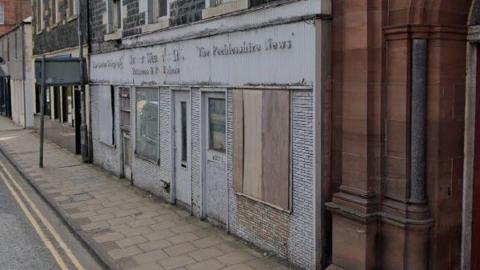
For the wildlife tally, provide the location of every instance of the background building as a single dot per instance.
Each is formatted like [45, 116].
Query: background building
[55, 36]
[16, 80]
[215, 106]
[13, 12]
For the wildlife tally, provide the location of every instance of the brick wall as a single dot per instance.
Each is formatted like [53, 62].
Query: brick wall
[289, 235]
[15, 12]
[181, 12]
[57, 36]
[186, 11]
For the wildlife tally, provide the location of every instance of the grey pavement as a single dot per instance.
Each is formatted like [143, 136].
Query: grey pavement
[20, 245]
[127, 228]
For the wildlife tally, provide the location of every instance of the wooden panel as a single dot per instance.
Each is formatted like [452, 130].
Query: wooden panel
[276, 148]
[252, 169]
[238, 141]
[475, 259]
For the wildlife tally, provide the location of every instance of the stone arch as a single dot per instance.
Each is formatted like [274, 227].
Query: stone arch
[474, 16]
[439, 12]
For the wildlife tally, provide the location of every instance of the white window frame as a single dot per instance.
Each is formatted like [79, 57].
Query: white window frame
[74, 8]
[221, 7]
[152, 20]
[41, 20]
[114, 32]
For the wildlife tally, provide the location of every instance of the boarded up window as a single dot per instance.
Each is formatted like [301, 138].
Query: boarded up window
[106, 113]
[261, 145]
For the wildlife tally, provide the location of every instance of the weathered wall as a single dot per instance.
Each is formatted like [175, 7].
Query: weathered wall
[269, 48]
[15, 49]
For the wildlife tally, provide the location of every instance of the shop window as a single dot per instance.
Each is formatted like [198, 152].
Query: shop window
[216, 122]
[114, 15]
[2, 13]
[106, 115]
[261, 146]
[147, 111]
[156, 10]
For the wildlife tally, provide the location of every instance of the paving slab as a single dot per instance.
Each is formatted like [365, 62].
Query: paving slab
[126, 227]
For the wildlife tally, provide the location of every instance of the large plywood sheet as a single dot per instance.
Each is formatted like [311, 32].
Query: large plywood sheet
[276, 148]
[252, 169]
[238, 141]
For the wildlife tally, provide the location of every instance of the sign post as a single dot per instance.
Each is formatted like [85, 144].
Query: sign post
[59, 72]
[42, 111]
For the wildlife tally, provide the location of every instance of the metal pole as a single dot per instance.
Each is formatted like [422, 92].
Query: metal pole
[42, 112]
[83, 125]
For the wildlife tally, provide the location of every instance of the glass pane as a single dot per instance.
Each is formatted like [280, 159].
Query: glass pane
[162, 8]
[147, 123]
[184, 130]
[216, 121]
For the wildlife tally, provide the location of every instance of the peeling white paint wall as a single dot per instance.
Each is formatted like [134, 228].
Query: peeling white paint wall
[199, 62]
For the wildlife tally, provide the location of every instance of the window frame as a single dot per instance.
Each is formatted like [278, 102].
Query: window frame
[209, 146]
[72, 8]
[143, 156]
[40, 20]
[153, 11]
[2, 13]
[114, 7]
[111, 96]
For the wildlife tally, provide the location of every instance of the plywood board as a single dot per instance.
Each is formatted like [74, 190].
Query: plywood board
[276, 148]
[252, 169]
[238, 141]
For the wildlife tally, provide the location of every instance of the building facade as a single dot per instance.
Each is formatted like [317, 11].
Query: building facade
[398, 118]
[55, 35]
[13, 12]
[216, 106]
[16, 80]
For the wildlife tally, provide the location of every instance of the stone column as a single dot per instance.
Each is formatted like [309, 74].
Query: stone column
[418, 120]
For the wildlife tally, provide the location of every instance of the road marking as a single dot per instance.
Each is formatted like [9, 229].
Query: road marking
[35, 225]
[47, 224]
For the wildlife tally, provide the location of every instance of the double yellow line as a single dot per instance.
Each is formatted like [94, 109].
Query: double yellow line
[10, 182]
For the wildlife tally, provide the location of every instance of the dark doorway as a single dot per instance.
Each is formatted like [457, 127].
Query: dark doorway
[56, 102]
[5, 97]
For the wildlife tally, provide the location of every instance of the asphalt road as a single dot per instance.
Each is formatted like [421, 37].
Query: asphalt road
[31, 234]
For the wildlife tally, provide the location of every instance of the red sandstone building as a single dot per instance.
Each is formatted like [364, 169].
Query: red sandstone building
[395, 156]
[13, 12]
